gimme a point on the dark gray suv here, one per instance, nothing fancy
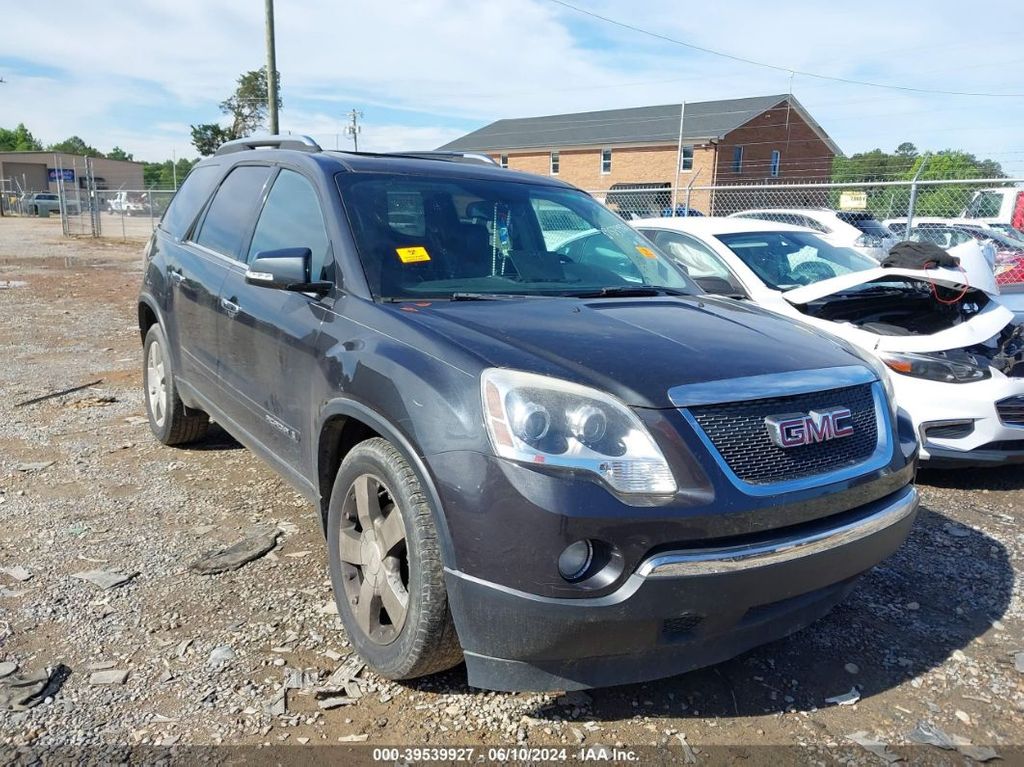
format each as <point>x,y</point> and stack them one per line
<point>530,442</point>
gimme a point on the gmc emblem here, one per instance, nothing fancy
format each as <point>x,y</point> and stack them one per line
<point>793,429</point>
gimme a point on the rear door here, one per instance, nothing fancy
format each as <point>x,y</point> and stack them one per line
<point>268,337</point>
<point>203,261</point>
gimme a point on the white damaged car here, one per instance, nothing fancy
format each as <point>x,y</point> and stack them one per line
<point>955,351</point>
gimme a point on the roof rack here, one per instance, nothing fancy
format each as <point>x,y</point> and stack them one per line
<point>298,143</point>
<point>477,157</point>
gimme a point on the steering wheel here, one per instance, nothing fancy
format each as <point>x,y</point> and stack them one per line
<point>810,272</point>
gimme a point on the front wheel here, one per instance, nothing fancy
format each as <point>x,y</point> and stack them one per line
<point>386,567</point>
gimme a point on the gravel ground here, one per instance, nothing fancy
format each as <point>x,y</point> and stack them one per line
<point>932,640</point>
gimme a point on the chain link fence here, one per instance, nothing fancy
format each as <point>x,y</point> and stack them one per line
<point>947,198</point>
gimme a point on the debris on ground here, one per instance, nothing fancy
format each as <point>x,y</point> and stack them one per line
<point>33,466</point>
<point>17,572</point>
<point>876,747</point>
<point>105,579</point>
<point>112,676</point>
<point>61,393</point>
<point>20,692</point>
<point>220,655</point>
<point>252,547</point>
<point>846,699</point>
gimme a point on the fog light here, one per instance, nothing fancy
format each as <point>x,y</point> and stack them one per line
<point>574,562</point>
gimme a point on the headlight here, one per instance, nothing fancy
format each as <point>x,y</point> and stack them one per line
<point>540,420</point>
<point>935,367</point>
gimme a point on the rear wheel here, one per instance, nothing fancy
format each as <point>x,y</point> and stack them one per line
<point>386,566</point>
<point>171,422</point>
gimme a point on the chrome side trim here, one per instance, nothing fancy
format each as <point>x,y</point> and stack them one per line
<point>877,460</point>
<point>769,385</point>
<point>735,558</point>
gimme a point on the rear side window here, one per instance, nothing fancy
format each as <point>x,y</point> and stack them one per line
<point>232,209</point>
<point>865,222</point>
<point>985,205</point>
<point>189,199</point>
<point>292,219</point>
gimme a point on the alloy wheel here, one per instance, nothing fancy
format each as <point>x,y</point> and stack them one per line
<point>375,559</point>
<point>156,383</point>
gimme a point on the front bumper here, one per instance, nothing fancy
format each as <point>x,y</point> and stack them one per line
<point>679,610</point>
<point>990,441</point>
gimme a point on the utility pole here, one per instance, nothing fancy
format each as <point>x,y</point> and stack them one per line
<point>355,128</point>
<point>271,68</point>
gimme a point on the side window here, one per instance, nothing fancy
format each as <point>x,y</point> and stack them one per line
<point>810,223</point>
<point>189,200</point>
<point>292,219</point>
<point>703,264</point>
<point>230,213</point>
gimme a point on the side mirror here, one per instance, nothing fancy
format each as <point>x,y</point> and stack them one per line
<point>284,269</point>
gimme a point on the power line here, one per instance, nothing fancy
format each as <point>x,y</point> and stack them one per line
<point>776,67</point>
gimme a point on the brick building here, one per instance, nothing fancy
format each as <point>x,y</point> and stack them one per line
<point>719,142</point>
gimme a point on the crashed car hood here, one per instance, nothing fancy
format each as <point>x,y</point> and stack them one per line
<point>634,348</point>
<point>977,273</point>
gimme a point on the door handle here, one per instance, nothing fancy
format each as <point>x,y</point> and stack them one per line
<point>176,277</point>
<point>229,306</point>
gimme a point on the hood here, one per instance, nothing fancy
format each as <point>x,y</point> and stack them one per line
<point>977,272</point>
<point>636,349</point>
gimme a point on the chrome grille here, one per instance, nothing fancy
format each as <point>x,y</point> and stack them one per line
<point>1011,411</point>
<point>738,432</point>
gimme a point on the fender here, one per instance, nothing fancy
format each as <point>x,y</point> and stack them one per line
<point>345,406</point>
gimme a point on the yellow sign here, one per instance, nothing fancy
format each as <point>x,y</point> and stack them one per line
<point>853,200</point>
<point>644,251</point>
<point>413,255</point>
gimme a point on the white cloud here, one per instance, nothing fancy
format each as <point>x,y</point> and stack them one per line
<point>451,63</point>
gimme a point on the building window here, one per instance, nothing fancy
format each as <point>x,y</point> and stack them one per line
<point>554,163</point>
<point>686,157</point>
<point>503,160</point>
<point>737,159</point>
<point>606,161</point>
<point>776,160</point>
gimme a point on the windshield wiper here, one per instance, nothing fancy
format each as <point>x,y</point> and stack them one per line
<point>490,296</point>
<point>629,291</point>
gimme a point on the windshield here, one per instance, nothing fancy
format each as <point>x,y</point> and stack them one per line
<point>786,260</point>
<point>444,237</point>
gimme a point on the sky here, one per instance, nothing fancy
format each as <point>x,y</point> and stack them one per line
<point>423,72</point>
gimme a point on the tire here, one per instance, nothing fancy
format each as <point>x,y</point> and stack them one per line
<point>401,556</point>
<point>170,421</point>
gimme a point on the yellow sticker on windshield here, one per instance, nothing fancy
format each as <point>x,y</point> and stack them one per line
<point>413,255</point>
<point>644,251</point>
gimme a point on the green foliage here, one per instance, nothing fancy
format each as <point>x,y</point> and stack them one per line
<point>161,175</point>
<point>902,165</point>
<point>247,108</point>
<point>117,153</point>
<point>206,137</point>
<point>18,140</point>
<point>75,145</point>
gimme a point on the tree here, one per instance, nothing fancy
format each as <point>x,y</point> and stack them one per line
<point>18,140</point>
<point>75,145</point>
<point>162,175</point>
<point>247,108</point>
<point>906,149</point>
<point>117,153</point>
<point>206,137</point>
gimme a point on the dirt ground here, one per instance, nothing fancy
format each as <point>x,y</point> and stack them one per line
<point>930,644</point>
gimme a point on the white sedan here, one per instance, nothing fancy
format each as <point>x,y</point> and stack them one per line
<point>956,352</point>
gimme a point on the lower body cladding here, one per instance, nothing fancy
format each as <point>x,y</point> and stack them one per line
<point>680,609</point>
<point>968,424</point>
